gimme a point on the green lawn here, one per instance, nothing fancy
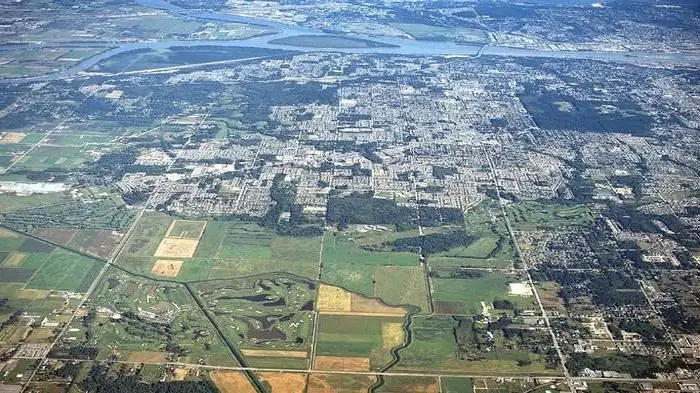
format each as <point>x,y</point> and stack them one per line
<point>349,266</point>
<point>64,271</point>
<point>470,292</point>
<point>186,229</point>
<point>457,385</point>
<point>398,285</point>
<point>44,157</point>
<point>148,235</point>
<point>528,215</point>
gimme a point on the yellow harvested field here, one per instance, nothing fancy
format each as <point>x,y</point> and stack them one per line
<point>166,267</point>
<point>341,363</point>
<point>338,301</point>
<point>176,248</point>
<point>364,305</point>
<point>14,259</point>
<point>392,334</point>
<point>179,374</point>
<point>333,299</point>
<point>231,382</point>
<point>274,354</point>
<point>147,357</point>
<point>11,137</point>
<point>339,383</point>
<point>33,294</point>
<point>284,382</point>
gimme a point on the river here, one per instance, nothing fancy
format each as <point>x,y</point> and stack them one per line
<point>396,46</point>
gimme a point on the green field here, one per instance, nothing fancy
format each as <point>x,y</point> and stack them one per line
<point>464,295</point>
<point>65,271</point>
<point>78,139</point>
<point>457,385</point>
<point>402,384</point>
<point>438,33</point>
<point>397,285</point>
<point>226,249</point>
<point>530,215</point>
<point>17,202</point>
<point>147,236</point>
<point>448,344</point>
<point>186,229</point>
<point>45,157</point>
<point>490,245</point>
<point>241,248</point>
<point>349,266</point>
<point>354,336</point>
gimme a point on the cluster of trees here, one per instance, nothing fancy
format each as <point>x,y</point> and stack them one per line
<point>74,352</point>
<point>111,167</point>
<point>363,208</point>
<point>14,317</point>
<point>283,194</point>
<point>441,172</point>
<point>432,243</point>
<point>646,329</point>
<point>679,319</point>
<point>611,288</point>
<point>99,380</point>
<point>638,366</point>
<point>455,273</point>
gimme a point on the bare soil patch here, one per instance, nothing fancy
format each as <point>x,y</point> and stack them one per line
<point>177,248</point>
<point>166,267</point>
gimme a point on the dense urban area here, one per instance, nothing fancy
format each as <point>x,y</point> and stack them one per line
<point>286,196</point>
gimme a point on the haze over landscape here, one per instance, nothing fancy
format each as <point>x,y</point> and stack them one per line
<point>320,196</point>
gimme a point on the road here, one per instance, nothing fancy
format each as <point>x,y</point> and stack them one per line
<point>395,373</point>
<point>113,256</point>
<point>518,253</point>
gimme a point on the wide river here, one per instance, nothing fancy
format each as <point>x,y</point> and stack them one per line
<point>397,46</point>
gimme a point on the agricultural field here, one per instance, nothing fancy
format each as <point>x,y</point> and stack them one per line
<point>41,266</point>
<point>476,292</point>
<point>424,32</point>
<point>278,382</point>
<point>339,383</point>
<point>232,382</point>
<point>456,385</point>
<point>65,271</point>
<point>350,266</point>
<point>45,157</point>
<point>11,203</point>
<point>402,285</point>
<point>400,384</point>
<point>465,344</point>
<point>356,343</point>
